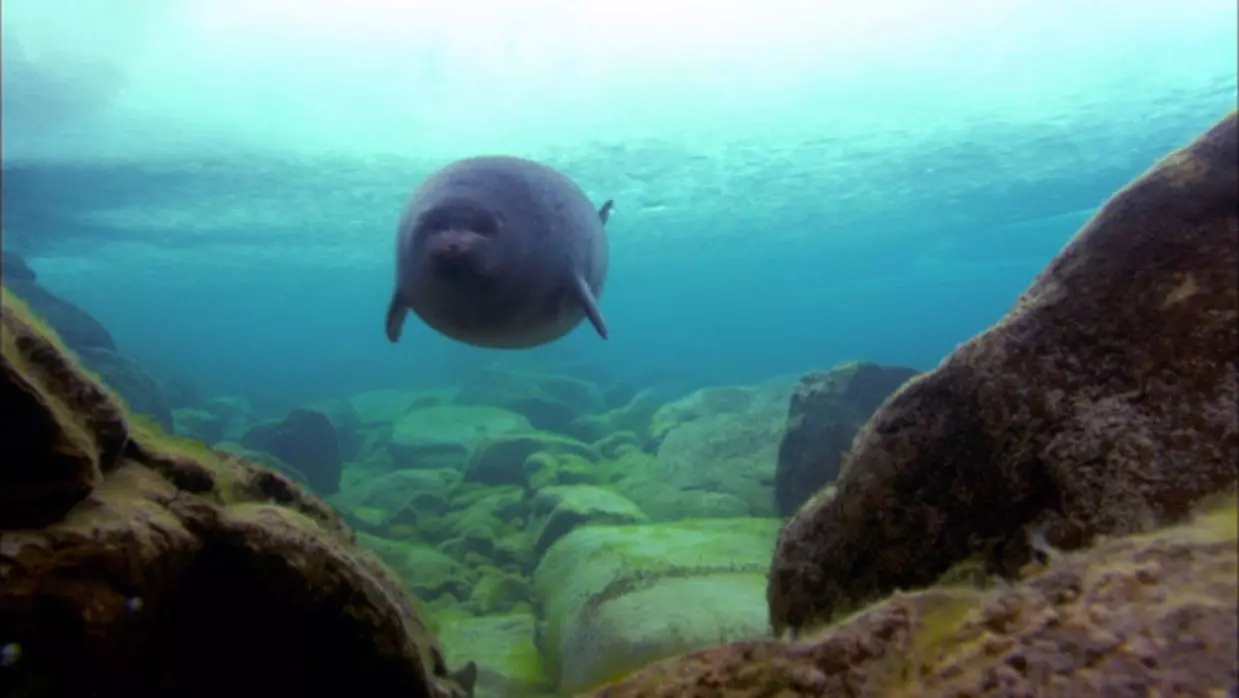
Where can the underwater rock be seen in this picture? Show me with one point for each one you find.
(557, 511)
(388, 406)
(305, 440)
(426, 572)
(76, 328)
(503, 647)
(1148, 615)
(398, 497)
(179, 566)
(614, 598)
(198, 424)
(13, 268)
(827, 410)
(347, 423)
(733, 453)
(141, 393)
(549, 401)
(445, 435)
(633, 416)
(634, 475)
(500, 460)
(62, 431)
(1103, 403)
(715, 401)
(498, 591)
(235, 413)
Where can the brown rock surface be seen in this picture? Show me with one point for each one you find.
(1104, 402)
(826, 410)
(137, 564)
(1145, 615)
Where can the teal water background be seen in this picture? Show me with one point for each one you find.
(796, 182)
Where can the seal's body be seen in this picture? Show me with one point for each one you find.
(500, 252)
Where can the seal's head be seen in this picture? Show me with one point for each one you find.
(460, 255)
(461, 246)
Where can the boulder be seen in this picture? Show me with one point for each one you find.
(305, 440)
(500, 460)
(142, 394)
(198, 424)
(130, 557)
(548, 400)
(1103, 403)
(827, 409)
(614, 598)
(443, 436)
(557, 511)
(1147, 615)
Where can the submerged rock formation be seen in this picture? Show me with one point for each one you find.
(1147, 615)
(1103, 403)
(139, 564)
(826, 411)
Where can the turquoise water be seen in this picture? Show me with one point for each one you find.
(797, 183)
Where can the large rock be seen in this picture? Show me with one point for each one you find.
(443, 436)
(306, 440)
(616, 597)
(77, 329)
(502, 646)
(548, 400)
(142, 394)
(500, 460)
(559, 510)
(1149, 615)
(178, 566)
(827, 409)
(1103, 403)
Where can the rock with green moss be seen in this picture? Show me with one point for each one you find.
(188, 567)
(1148, 615)
(267, 459)
(550, 401)
(500, 460)
(198, 424)
(379, 407)
(497, 591)
(234, 412)
(445, 435)
(426, 571)
(737, 400)
(617, 597)
(635, 416)
(501, 510)
(346, 421)
(557, 511)
(502, 647)
(410, 497)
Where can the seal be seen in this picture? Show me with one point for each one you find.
(500, 252)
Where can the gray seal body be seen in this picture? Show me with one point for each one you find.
(500, 252)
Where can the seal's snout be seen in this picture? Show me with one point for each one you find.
(457, 254)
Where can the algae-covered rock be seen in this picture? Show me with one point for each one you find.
(62, 431)
(1104, 402)
(616, 597)
(198, 424)
(426, 572)
(502, 646)
(827, 409)
(548, 400)
(378, 407)
(1147, 615)
(633, 416)
(500, 460)
(178, 566)
(401, 496)
(559, 510)
(306, 440)
(635, 475)
(347, 424)
(445, 435)
(77, 328)
(769, 398)
(141, 392)
(499, 592)
(236, 414)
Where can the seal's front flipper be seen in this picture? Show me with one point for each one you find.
(396, 312)
(605, 212)
(586, 298)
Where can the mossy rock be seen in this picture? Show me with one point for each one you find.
(443, 436)
(500, 460)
